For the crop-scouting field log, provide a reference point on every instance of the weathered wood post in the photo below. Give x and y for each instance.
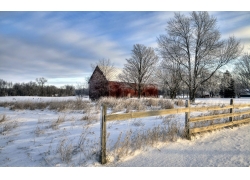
(187, 116)
(231, 110)
(103, 134)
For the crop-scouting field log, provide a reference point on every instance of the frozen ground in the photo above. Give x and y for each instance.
(224, 148)
(34, 139)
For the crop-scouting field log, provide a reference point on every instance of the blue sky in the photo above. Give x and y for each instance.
(60, 46)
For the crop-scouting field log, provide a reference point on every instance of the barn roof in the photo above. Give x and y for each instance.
(112, 74)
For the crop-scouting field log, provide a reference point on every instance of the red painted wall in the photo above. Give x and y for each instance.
(118, 89)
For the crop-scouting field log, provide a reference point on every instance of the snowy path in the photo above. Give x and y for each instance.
(224, 148)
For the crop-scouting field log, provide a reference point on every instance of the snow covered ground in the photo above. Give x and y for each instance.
(49, 138)
(223, 148)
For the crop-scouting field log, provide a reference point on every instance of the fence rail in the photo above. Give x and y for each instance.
(187, 110)
(206, 118)
(112, 117)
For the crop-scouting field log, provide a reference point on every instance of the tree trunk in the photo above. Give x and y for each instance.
(172, 94)
(139, 92)
(192, 95)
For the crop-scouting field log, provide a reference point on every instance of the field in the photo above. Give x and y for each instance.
(65, 131)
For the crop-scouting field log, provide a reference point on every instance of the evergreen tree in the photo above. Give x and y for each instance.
(227, 89)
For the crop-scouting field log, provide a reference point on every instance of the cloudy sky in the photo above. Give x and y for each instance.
(61, 46)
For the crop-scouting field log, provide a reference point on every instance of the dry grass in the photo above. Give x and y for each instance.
(86, 146)
(127, 143)
(78, 104)
(133, 104)
(39, 131)
(89, 117)
(55, 124)
(151, 102)
(6, 124)
(179, 102)
(166, 104)
(3, 118)
(138, 122)
(27, 105)
(65, 149)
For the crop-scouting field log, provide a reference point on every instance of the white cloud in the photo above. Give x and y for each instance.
(242, 33)
(80, 38)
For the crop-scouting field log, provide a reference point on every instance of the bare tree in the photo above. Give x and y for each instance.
(105, 65)
(194, 43)
(82, 88)
(212, 86)
(242, 74)
(3, 87)
(168, 77)
(243, 68)
(41, 81)
(138, 70)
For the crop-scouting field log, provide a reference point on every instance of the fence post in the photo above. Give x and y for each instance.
(103, 135)
(231, 110)
(187, 116)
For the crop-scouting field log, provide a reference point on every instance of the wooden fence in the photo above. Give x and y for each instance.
(187, 110)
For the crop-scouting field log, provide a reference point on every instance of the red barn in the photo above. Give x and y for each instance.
(110, 85)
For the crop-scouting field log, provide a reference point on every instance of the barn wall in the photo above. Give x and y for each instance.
(150, 91)
(119, 89)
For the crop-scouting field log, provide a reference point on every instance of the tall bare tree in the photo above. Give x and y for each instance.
(138, 70)
(241, 74)
(106, 66)
(41, 81)
(194, 43)
(168, 78)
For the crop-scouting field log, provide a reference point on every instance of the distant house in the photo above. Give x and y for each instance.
(110, 85)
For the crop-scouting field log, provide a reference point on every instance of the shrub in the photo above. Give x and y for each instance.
(179, 102)
(166, 104)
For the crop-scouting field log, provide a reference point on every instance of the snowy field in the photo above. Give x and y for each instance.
(71, 138)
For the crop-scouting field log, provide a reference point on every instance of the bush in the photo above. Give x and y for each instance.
(166, 104)
(179, 102)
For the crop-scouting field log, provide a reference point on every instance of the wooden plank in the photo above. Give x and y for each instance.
(241, 113)
(217, 126)
(187, 117)
(144, 114)
(111, 117)
(211, 108)
(206, 118)
(231, 118)
(124, 116)
(103, 158)
(241, 106)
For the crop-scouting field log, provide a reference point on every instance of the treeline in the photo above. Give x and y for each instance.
(38, 89)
